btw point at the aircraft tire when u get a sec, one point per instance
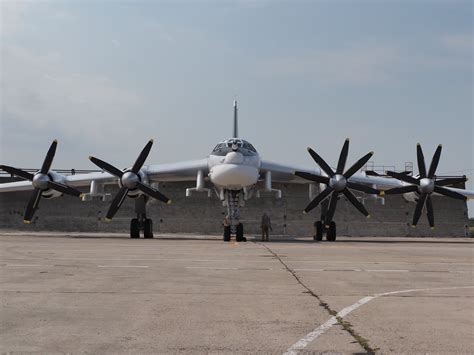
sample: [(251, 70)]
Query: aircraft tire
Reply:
[(331, 233), (319, 231), (240, 233), (227, 234), (148, 232), (134, 228)]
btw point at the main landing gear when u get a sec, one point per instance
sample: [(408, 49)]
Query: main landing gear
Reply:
[(141, 223), (322, 228)]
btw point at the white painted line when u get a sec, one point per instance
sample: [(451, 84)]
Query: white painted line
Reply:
[(131, 266), (303, 342)]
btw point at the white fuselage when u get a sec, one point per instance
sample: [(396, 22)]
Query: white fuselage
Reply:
[(234, 169)]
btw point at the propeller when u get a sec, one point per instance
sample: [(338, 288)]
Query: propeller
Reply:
[(129, 180), (425, 185), (337, 182), (41, 182)]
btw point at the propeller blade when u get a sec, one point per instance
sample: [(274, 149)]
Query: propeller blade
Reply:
[(358, 165), (320, 161), (142, 157), (449, 181), (48, 160), (403, 177), (32, 205), (152, 192), (107, 167), (343, 157), (350, 196), (435, 161), (312, 177), (331, 209), (446, 192), (116, 203), (363, 188), (421, 161), (17, 172), (418, 209), (429, 211), (318, 199), (402, 190), (64, 189)]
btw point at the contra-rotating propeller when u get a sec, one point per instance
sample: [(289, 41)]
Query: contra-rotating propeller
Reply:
[(41, 181), (130, 179), (337, 182), (425, 185)]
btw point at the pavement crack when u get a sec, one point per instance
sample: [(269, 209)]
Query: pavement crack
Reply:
[(348, 327)]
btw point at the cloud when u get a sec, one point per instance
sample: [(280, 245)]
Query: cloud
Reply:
[(458, 42), (40, 98), (355, 64), (12, 16)]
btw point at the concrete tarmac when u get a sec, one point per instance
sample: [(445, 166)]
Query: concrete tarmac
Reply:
[(108, 294)]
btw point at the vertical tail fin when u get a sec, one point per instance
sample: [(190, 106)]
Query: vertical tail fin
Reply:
[(236, 126)]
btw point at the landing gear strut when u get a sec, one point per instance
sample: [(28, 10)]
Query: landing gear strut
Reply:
[(141, 223), (232, 199)]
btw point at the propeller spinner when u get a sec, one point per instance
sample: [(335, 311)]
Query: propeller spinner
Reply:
[(425, 185), (337, 182), (129, 180), (41, 181)]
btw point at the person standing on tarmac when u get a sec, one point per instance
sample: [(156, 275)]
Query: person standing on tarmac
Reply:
[(266, 226)]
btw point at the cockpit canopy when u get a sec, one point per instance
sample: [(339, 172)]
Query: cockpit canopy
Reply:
[(234, 144)]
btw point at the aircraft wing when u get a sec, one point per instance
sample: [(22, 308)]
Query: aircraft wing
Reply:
[(183, 171), (285, 174)]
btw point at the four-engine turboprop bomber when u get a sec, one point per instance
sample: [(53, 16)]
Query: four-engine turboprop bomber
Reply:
[(234, 171)]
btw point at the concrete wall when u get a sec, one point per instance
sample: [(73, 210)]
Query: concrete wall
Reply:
[(200, 214)]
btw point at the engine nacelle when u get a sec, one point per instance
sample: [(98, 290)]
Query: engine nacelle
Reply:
[(135, 193), (49, 193)]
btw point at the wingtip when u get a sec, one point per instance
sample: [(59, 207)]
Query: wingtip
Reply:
[(348, 139), (372, 152), (308, 148), (55, 141), (418, 144), (440, 145), (152, 140), (90, 157)]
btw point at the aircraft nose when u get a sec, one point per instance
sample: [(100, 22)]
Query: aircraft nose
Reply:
[(234, 158)]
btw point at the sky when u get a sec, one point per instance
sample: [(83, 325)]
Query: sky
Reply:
[(103, 77)]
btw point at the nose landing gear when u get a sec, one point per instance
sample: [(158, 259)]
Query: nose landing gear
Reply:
[(141, 223)]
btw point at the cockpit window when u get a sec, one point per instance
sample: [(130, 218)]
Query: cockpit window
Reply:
[(242, 146)]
